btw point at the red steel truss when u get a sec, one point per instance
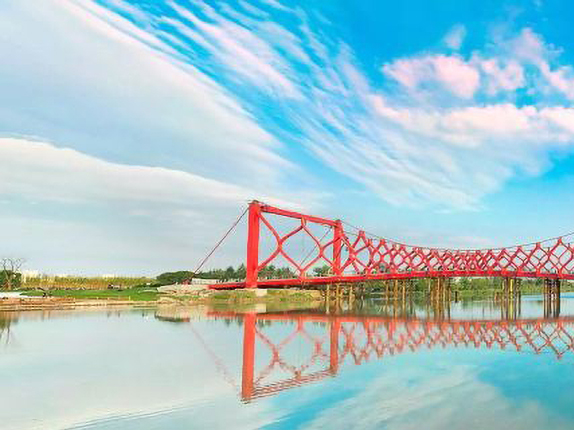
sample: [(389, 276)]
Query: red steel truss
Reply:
[(355, 340), (356, 256)]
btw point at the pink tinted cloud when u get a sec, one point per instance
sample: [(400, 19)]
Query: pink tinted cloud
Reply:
[(449, 72), (502, 77)]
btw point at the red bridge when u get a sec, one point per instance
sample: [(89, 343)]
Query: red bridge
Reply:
[(351, 255)]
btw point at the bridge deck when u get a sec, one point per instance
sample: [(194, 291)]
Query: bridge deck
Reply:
[(328, 280)]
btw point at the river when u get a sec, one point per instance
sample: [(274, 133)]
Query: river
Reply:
[(373, 365)]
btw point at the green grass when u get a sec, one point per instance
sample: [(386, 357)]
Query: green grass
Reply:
[(150, 294), (136, 294)]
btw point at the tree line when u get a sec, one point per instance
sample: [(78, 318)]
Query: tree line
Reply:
[(224, 275)]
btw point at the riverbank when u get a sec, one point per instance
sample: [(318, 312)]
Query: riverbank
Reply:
[(52, 303), (275, 299), (63, 299)]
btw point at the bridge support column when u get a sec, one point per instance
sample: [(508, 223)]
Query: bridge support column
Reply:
[(351, 295), (511, 287), (252, 263), (338, 296), (510, 298), (404, 290), (338, 235), (439, 300), (551, 298)]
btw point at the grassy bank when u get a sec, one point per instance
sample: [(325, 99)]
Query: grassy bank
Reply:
[(151, 294), (135, 294), (278, 295), (88, 291)]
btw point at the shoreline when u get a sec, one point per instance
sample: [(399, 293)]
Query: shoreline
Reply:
[(20, 301), (50, 303)]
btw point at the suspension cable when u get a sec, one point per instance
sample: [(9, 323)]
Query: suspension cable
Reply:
[(194, 273), (456, 249), (315, 246)]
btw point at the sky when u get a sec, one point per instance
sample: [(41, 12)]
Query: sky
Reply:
[(133, 133)]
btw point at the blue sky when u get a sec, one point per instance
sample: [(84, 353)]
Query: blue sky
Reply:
[(133, 132)]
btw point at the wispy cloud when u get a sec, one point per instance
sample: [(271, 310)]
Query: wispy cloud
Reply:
[(150, 108), (44, 172), (138, 211), (108, 108), (416, 138)]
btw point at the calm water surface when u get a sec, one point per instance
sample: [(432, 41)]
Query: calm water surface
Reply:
[(479, 365)]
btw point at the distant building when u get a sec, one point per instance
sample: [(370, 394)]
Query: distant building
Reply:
[(197, 281)]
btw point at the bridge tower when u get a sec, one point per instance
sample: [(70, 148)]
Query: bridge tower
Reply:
[(253, 227)]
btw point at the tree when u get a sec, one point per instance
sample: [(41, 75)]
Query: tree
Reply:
[(229, 273), (170, 278), (321, 270), (241, 272), (10, 275)]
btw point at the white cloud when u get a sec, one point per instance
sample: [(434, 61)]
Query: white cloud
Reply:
[(149, 107), (529, 48), (41, 171), (520, 128), (277, 5), (242, 51), (123, 101), (413, 143), (455, 37), (450, 72), (562, 117), (507, 77), (130, 218)]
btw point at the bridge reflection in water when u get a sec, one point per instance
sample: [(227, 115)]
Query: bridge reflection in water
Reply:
[(314, 345)]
